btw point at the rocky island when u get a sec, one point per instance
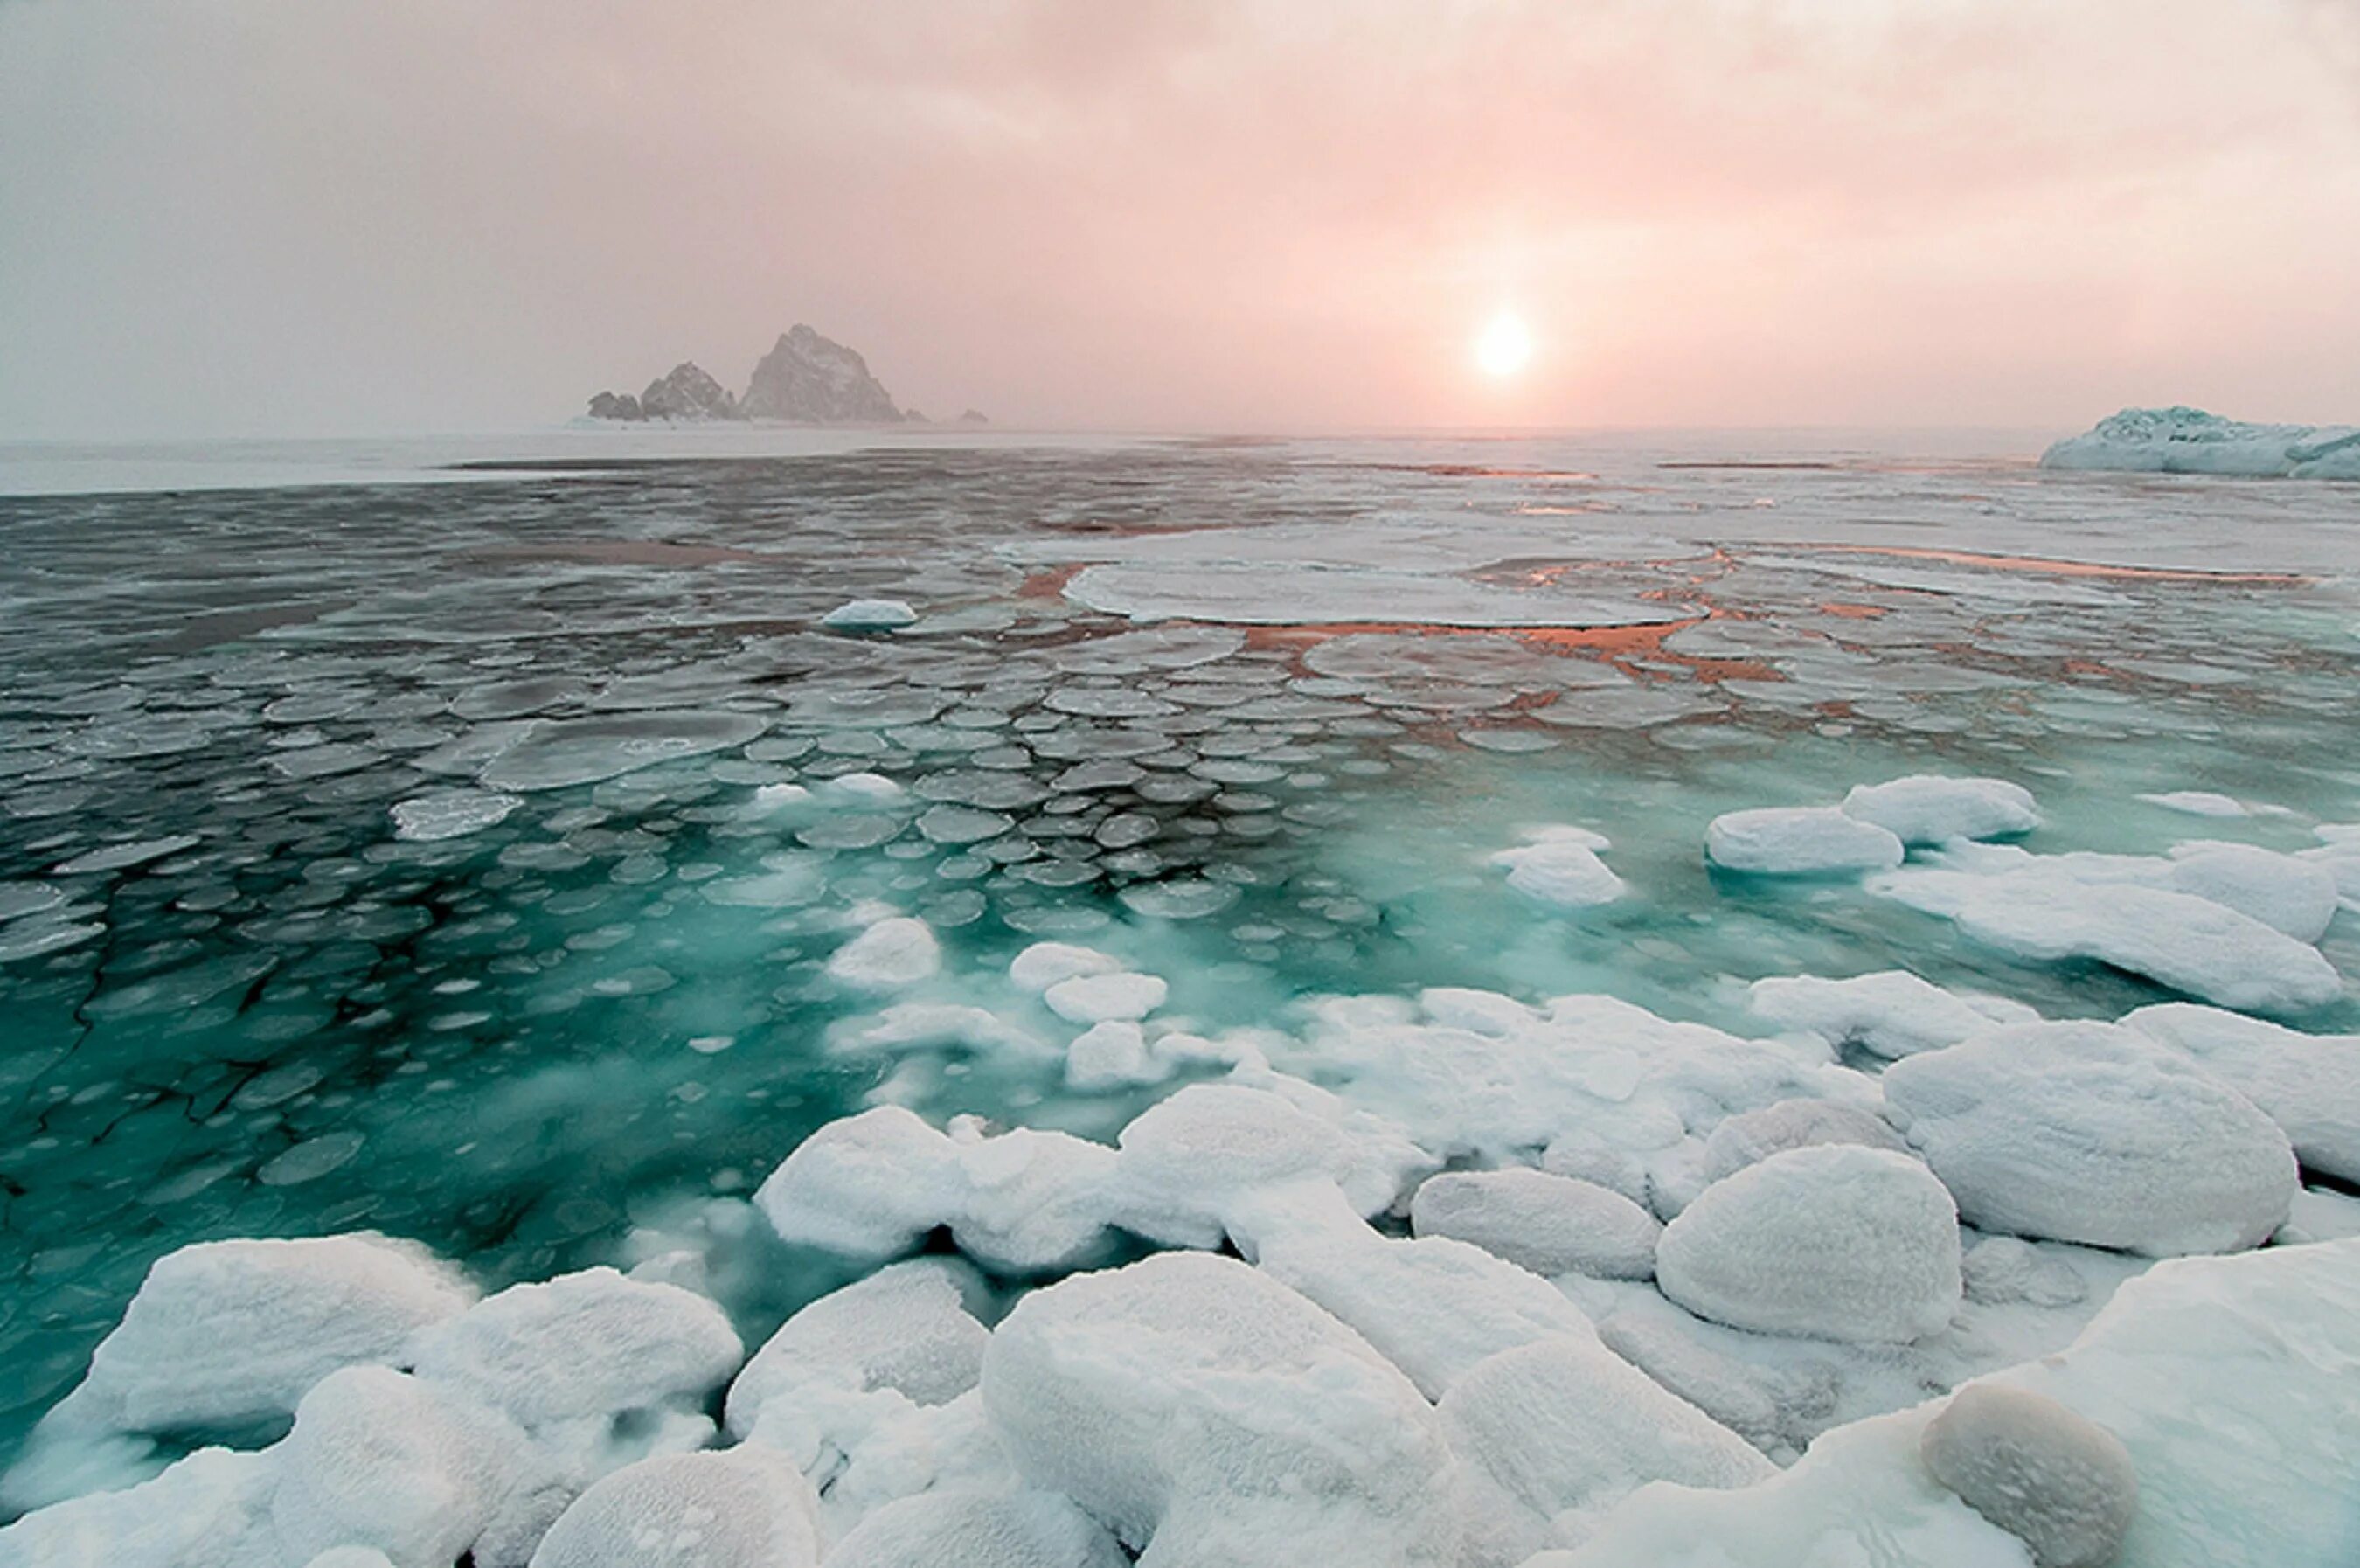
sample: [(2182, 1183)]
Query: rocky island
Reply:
[(804, 379)]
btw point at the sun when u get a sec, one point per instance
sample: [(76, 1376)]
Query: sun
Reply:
[(1505, 346)]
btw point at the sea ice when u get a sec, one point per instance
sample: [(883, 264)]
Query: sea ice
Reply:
[(891, 955), (1834, 1241), (1550, 1224), (2092, 1133), (1099, 998), (978, 1529), (450, 813), (2064, 1484), (2307, 1083), (743, 1507), (1800, 841), (2189, 440), (1924, 809), (1750, 1136), (1889, 1014), (869, 616), (1561, 867), (905, 1328)]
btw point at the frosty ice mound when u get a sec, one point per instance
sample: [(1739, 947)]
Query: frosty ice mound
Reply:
[(2189, 440)]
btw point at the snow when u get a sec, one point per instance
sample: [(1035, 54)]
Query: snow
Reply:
[(869, 614), (2288, 895), (2063, 1484), (1565, 1426), (1924, 809), (746, 1507), (1800, 841), (977, 1529), (1109, 1055), (1550, 1224), (1835, 1241), (211, 1509), (2189, 440), (905, 1328), (1889, 1014), (2307, 1083), (1167, 1396), (1045, 964), (1750, 1136), (1561, 867), (2092, 1133), (381, 1459), (891, 955), (1099, 998)]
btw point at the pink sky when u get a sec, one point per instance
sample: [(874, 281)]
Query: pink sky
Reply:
[(362, 215)]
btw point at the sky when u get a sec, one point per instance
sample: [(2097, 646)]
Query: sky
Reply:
[(382, 216)]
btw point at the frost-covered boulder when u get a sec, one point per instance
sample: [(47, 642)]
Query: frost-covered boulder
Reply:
[(2000, 1270), (1891, 1014), (1112, 1054), (211, 1509), (1550, 1224), (1926, 809), (905, 1328), (2307, 1083), (870, 615), (2088, 1133), (1215, 1418), (1098, 998), (888, 955), (2288, 895), (742, 1507), (1045, 964), (1561, 867), (976, 1529), (1750, 1136), (1035, 1202), (591, 1345), (1800, 841), (380, 1459), (226, 1333), (2060, 1482), (2189, 440), (1836, 1241), (1566, 1425)]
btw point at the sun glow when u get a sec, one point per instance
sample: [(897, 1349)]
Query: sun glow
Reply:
[(1505, 346)]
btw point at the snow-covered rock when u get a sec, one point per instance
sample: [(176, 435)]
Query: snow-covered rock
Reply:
[(742, 1507), (1550, 1224), (1834, 1241), (2063, 1484), (1927, 809), (889, 955), (1800, 841), (870, 615), (211, 1509), (2307, 1083), (2092, 1133), (905, 1328), (2189, 440), (1889, 1014), (1169, 1397), (1750, 1136), (1098, 998)]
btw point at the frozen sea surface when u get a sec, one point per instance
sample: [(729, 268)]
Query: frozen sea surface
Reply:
[(523, 867)]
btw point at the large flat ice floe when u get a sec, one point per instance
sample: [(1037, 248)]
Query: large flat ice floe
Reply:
[(2189, 440)]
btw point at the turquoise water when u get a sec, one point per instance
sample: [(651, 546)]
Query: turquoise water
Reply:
[(235, 1000)]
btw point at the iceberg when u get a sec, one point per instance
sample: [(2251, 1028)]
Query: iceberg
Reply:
[(2189, 440)]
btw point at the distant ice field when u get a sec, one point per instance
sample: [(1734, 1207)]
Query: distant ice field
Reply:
[(490, 844)]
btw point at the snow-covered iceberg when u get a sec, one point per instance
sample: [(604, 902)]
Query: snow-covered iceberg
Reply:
[(2189, 440)]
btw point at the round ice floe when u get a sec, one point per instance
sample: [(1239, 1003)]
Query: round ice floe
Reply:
[(1191, 1402), (2307, 1083), (2091, 1133), (1925, 809), (1750, 1136), (2060, 1482), (591, 1343), (975, 1529), (1800, 841), (229, 1333), (2198, 803), (1836, 1241), (743, 1507), (888, 955), (450, 813), (869, 616), (1566, 1424), (1111, 1054), (1045, 964), (906, 1328), (1890, 1014), (381, 1459), (2286, 894), (555, 754), (1562, 868), (867, 1186), (1550, 1224), (1095, 998)]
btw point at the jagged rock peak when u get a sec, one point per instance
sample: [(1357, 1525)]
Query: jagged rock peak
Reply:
[(616, 406), (688, 393), (814, 380)]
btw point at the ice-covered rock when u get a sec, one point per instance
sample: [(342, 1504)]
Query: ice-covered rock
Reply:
[(1834, 1241), (1096, 998), (1750, 1136), (228, 1333), (1215, 1418), (2307, 1083), (742, 1507), (2060, 1482), (1927, 809), (1565, 1426), (211, 1509), (889, 955), (2189, 440), (870, 615), (1561, 867), (905, 1328), (592, 1345), (1550, 1224), (811, 379), (978, 1529), (2092, 1134), (1889, 1014), (1800, 841)]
